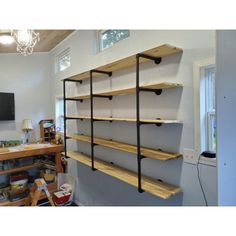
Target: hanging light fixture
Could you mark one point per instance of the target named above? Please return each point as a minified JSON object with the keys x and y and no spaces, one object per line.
{"x":25,"y":40}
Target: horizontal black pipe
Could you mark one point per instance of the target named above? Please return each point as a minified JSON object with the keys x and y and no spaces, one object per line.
{"x":109,"y":73}
{"x":157,"y":60}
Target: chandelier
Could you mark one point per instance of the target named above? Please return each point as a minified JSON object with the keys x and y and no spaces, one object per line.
{"x":25,"y":40}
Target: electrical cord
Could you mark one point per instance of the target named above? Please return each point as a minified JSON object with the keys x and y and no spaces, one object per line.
{"x":198,"y":174}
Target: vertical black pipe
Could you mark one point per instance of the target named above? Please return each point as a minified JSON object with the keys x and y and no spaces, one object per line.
{"x":64,"y":101}
{"x":91,"y":113}
{"x":138,"y":125}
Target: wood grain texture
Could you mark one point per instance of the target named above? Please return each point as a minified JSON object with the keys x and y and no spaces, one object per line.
{"x":147,"y":152}
{"x":154,"y":187}
{"x":48,"y":40}
{"x":21,"y":168}
{"x":162,"y":85}
{"x":4,"y":150}
{"x":156,"y":121}
{"x":161,"y":51}
{"x":31,"y":152}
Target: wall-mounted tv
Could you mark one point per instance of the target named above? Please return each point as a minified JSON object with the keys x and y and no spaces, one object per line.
{"x":7,"y":106}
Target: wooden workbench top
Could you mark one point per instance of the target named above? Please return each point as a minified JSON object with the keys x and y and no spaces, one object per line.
{"x":29,"y":150}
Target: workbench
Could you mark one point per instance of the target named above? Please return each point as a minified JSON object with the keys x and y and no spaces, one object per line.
{"x":24,"y":151}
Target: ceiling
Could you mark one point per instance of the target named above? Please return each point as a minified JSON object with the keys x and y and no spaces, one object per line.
{"x":48,"y":40}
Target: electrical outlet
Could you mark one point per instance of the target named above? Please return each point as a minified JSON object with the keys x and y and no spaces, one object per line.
{"x":190,"y":156}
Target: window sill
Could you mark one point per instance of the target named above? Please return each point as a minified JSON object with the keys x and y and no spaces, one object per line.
{"x":207,"y":161}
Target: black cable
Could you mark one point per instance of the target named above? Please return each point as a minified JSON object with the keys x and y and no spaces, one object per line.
{"x":198,"y":174}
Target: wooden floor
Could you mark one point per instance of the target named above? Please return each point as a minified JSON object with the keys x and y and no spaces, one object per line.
{"x":152,"y":186}
{"x":147,"y":152}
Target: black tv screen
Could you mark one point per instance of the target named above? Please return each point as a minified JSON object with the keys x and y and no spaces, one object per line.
{"x":7,"y":106}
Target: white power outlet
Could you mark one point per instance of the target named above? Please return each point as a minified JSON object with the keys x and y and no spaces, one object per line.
{"x":190,"y":156}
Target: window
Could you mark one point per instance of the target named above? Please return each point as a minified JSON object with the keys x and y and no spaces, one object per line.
{"x":63,"y":61}
{"x":210,"y":109}
{"x":59,"y":115}
{"x":204,"y":108}
{"x":107,"y":38}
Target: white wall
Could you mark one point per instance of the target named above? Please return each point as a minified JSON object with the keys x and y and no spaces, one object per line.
{"x":28,"y":78}
{"x":95,"y":188}
{"x":226,"y":112}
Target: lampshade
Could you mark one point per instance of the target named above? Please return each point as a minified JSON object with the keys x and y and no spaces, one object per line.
{"x":27,"y":125}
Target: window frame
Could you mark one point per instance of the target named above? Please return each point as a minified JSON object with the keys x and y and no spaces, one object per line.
{"x":200,"y":108}
{"x":100,"y":32}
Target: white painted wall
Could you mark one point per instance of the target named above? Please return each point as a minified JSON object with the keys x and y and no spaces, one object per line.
{"x":28,"y":78}
{"x":95,"y":188}
{"x":226,"y":112}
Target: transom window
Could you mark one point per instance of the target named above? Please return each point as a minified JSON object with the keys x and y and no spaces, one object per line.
{"x":107,"y":38}
{"x":63,"y":61}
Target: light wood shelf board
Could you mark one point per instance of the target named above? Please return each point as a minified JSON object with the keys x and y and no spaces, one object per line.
{"x":132,"y":90}
{"x":155,"y":187}
{"x":126,"y":119}
{"x":161,"y":51}
{"x":147,"y":152}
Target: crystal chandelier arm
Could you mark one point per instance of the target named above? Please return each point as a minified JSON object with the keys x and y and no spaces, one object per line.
{"x":25,"y":40}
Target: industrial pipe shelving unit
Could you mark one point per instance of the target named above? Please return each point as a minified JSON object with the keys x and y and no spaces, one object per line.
{"x":154,"y":55}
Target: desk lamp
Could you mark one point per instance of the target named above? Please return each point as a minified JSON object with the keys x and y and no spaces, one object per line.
{"x":26,"y":127}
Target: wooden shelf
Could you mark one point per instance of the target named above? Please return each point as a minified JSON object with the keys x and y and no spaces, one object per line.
{"x":147,"y":152}
{"x":21,"y":202}
{"x":26,"y":201}
{"x":156,"y":86}
{"x":21,"y":168}
{"x":152,"y":121}
{"x":154,"y":187}
{"x":161,"y":51}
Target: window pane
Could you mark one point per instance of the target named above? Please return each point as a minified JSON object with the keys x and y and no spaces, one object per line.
{"x":209,"y":107}
{"x":210,"y":81}
{"x":212,"y":132}
{"x":110,"y":37}
{"x":63,"y":61}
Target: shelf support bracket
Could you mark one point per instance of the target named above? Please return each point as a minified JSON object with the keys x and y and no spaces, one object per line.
{"x":65,"y":118}
{"x":76,"y":81}
{"x":157,"y":60}
{"x":138,"y":124}
{"x":158,"y":124}
{"x":156,"y":91}
{"x":102,"y":96}
{"x":109,"y":73}
{"x":91,"y":111}
{"x":74,"y":99}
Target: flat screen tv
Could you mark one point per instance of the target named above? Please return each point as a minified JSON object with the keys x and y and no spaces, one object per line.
{"x":7,"y":106}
